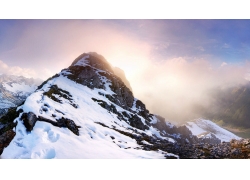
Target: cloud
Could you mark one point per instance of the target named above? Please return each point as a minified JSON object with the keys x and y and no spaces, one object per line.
{"x":200,"y":48}
{"x":171,"y":88}
{"x":226,"y":46}
{"x":54,"y":44}
{"x":223,"y":64}
{"x":15,"y":70}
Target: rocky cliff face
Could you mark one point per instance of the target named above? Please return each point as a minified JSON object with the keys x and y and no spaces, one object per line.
{"x":89,"y":108}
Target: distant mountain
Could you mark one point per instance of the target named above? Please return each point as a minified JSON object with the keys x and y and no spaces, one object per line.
{"x":205,"y":129}
{"x":87,"y":111}
{"x":14,"y":90}
{"x":230,"y":106}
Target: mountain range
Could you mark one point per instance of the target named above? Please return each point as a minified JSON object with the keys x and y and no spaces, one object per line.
{"x":88,"y":110}
{"x":14,"y":90}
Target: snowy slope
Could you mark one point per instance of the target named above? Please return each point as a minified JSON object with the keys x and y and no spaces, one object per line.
{"x":99,"y":135}
{"x":204,"y":128}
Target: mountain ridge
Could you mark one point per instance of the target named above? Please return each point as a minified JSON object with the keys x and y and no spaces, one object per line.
{"x":88,"y":108}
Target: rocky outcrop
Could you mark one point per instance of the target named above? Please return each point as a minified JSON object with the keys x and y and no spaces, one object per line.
{"x":120,"y":73}
{"x":7,"y":125}
{"x":5,"y":139}
{"x":97,"y":73}
{"x":30,"y":119}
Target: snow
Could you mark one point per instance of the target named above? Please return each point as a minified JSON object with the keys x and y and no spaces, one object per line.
{"x":94,"y":141}
{"x":169,"y":124}
{"x":145,"y":142}
{"x":22,"y":87}
{"x":204,"y":128}
{"x":134,"y":105}
{"x":154,"y":121}
{"x":82,"y":62}
{"x":194,"y":128}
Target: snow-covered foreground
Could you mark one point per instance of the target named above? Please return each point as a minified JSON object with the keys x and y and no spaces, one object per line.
{"x":94,"y":141}
{"x":203,"y":128}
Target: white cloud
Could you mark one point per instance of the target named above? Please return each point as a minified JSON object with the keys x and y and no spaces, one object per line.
{"x":16,"y":70}
{"x":223,"y":64}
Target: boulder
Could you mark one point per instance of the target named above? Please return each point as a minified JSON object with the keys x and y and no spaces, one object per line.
{"x":29,"y":120}
{"x":5,"y":139}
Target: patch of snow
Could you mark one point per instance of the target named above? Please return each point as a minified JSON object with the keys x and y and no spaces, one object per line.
{"x":194,"y":128}
{"x":145,"y":142}
{"x":169,"y":124}
{"x":82,"y":62}
{"x":154,"y":121}
{"x":134,"y":105}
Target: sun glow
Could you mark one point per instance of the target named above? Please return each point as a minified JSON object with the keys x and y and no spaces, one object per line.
{"x":132,"y":66}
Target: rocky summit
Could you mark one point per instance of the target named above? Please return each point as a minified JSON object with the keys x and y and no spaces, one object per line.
{"x":88,"y":111}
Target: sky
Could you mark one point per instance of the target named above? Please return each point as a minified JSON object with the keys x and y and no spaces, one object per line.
{"x":169,"y":63}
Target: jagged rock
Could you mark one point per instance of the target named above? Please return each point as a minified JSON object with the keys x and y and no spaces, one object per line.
{"x":5,"y":139}
{"x":70,"y":124}
{"x":120,"y":73}
{"x":136,"y":122}
{"x":29,"y":120}
{"x":92,"y":78}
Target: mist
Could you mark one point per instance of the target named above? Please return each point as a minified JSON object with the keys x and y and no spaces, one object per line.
{"x":177,"y":88}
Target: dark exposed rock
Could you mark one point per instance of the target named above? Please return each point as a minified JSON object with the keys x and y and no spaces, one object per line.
{"x":142,"y":111}
{"x":86,"y":76}
{"x":95,"y":60}
{"x":136,"y":122}
{"x":211,"y":140}
{"x":120,"y":73}
{"x":92,"y":77}
{"x":5,"y":139}
{"x":29,"y":120}
{"x":63,"y":122}
{"x":191,"y":151}
{"x":6,"y":127}
{"x":54,"y":90}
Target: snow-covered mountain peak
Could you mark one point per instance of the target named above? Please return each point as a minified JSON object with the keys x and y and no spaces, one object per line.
{"x":87,"y":111}
{"x":93,"y":60}
{"x":85,"y":106}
